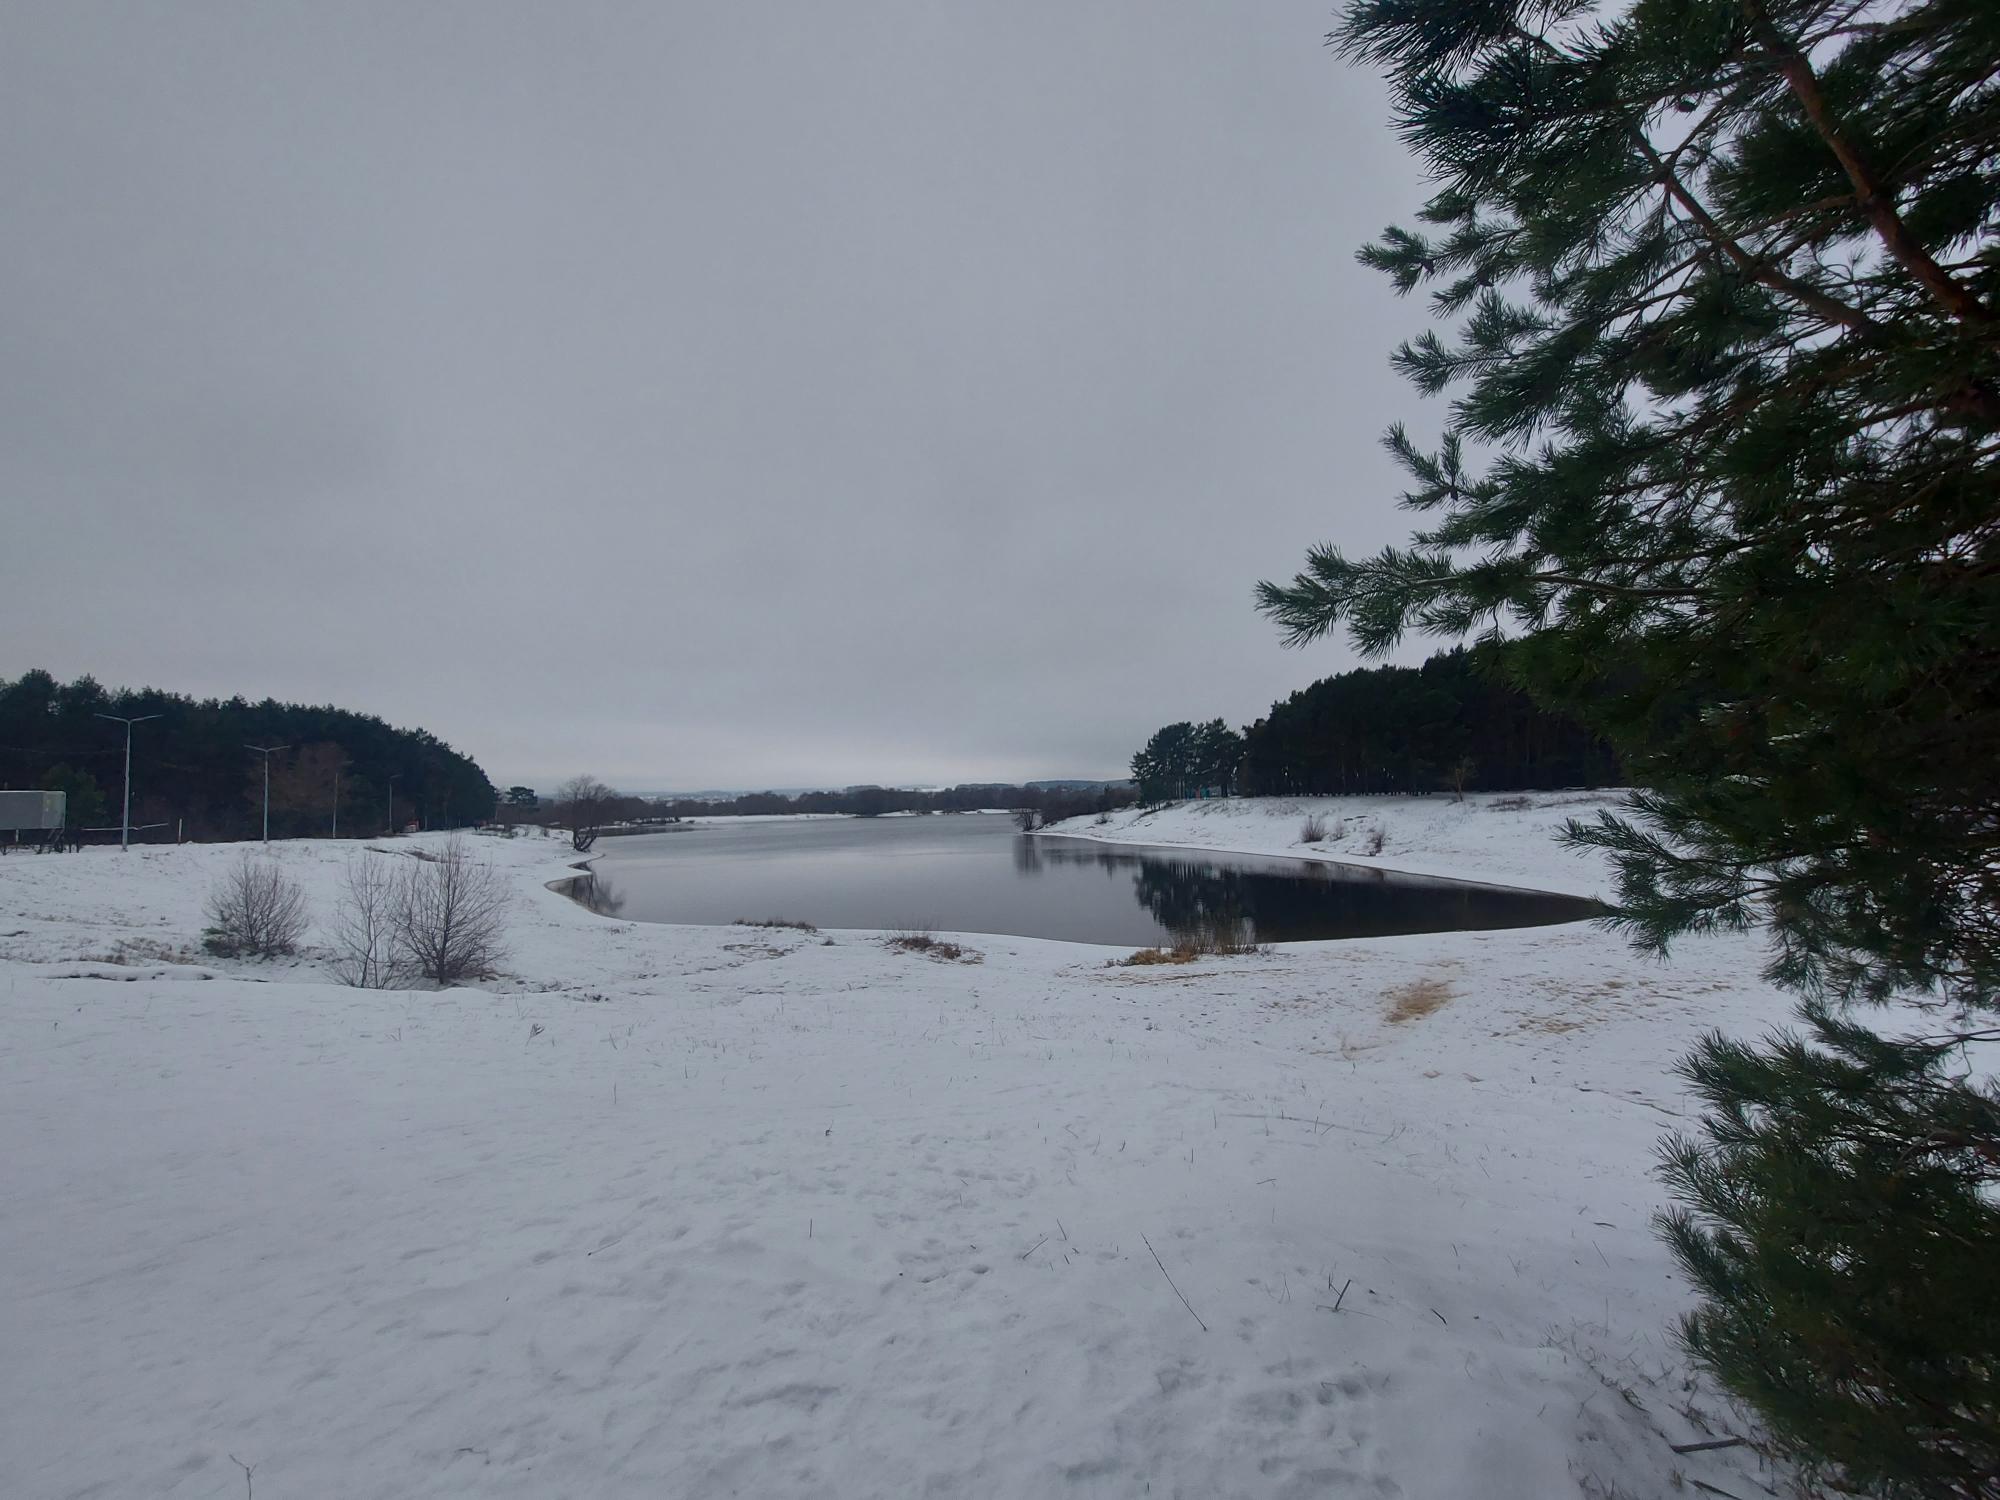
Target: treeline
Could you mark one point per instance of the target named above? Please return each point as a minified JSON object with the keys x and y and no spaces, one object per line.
{"x":1052,"y":802}
{"x":193,"y":774}
{"x":1453,"y":724}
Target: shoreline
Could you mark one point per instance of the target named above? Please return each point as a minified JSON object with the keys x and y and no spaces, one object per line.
{"x":1473,"y":841}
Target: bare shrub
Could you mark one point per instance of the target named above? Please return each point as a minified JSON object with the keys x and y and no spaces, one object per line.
{"x":1459,"y":777}
{"x":1376,"y":838}
{"x":364,"y":928}
{"x":449,"y":915}
{"x":1509,"y":804}
{"x":1028,"y":819}
{"x":775,"y":922}
{"x":255,"y":909}
{"x":1312,"y":830}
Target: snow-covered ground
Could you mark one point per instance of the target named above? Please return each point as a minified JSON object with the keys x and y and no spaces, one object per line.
{"x":1499,"y":838}
{"x":678,"y":1211}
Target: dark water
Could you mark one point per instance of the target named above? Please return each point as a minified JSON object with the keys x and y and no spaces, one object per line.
{"x":974,"y":873}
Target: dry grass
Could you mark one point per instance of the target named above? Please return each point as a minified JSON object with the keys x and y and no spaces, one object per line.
{"x":775,"y":922}
{"x":932,"y":946}
{"x":1184,"y":954}
{"x":127,"y":952}
{"x":1418,"y":998}
{"x":1186,"y":949}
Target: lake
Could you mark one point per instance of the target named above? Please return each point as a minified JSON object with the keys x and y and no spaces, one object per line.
{"x":976,"y":873}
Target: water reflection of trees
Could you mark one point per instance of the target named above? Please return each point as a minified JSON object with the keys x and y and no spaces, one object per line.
{"x":1291,"y":901}
{"x":593,"y":894}
{"x":1195,"y":900}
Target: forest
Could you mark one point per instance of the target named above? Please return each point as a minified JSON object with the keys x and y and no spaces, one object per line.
{"x":1453,"y":724}
{"x":195,"y":774}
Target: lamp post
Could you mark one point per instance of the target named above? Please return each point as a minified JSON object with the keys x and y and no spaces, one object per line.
{"x":390,"y":830}
{"x":125,"y":821}
{"x":338,"y":767}
{"x":267,"y":751}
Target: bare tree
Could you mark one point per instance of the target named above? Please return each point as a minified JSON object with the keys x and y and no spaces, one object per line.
{"x":364,"y":929}
{"x":585,"y":803}
{"x":449,"y":914}
{"x":255,"y":908}
{"x":1460,"y":776}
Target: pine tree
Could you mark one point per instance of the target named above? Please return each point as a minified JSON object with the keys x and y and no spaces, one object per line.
{"x":1165,"y":767}
{"x":1844,"y":1234}
{"x":1722,"y":287}
{"x":1218,"y":750}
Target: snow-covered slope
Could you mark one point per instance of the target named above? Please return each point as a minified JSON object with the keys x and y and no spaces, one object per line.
{"x":707,"y":1211}
{"x":1498,"y":838}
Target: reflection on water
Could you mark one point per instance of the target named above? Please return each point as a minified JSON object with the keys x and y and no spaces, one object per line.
{"x":595,"y":895}
{"x":953,"y":874}
{"x":1288,"y":901}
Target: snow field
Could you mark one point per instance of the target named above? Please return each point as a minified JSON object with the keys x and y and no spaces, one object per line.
{"x":723,"y":1211}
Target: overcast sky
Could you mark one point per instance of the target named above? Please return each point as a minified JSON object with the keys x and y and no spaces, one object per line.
{"x":700,"y":395}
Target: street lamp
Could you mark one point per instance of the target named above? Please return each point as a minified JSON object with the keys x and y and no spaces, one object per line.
{"x":267,"y":751}
{"x":125,"y":823}
{"x":390,"y":832}
{"x":338,"y":767}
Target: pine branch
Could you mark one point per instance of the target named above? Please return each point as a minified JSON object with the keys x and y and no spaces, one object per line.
{"x":1797,"y":71}
{"x":1832,"y":309}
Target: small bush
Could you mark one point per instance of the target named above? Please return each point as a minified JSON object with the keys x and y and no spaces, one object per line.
{"x":1376,"y":838}
{"x":449,"y":914}
{"x":1312,"y":830}
{"x":254,"y":909}
{"x":1509,"y":804}
{"x":364,"y":931}
{"x":775,"y":922}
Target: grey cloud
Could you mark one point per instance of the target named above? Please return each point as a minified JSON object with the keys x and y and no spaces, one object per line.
{"x":702,"y":395}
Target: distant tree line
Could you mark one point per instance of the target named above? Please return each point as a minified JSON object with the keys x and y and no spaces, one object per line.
{"x":1453,"y":724}
{"x":586,"y":800}
{"x":193,"y":773}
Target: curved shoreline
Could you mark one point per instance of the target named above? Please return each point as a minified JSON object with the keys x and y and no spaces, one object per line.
{"x":1587,"y":908}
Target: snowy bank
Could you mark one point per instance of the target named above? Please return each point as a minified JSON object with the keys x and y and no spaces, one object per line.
{"x":1497,"y":838}
{"x":708,"y":1211}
